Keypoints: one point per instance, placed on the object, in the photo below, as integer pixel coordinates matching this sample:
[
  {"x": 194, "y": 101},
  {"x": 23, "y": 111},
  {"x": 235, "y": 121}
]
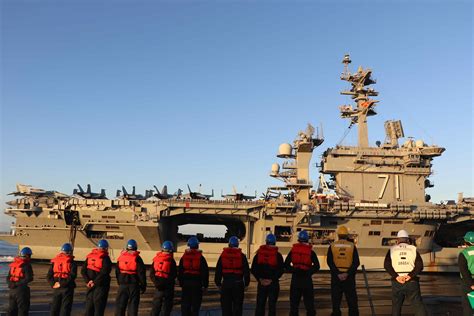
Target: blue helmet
[
  {"x": 233, "y": 242},
  {"x": 193, "y": 243},
  {"x": 26, "y": 252},
  {"x": 303, "y": 236},
  {"x": 270, "y": 240},
  {"x": 103, "y": 244},
  {"x": 167, "y": 246},
  {"x": 67, "y": 248},
  {"x": 132, "y": 245}
]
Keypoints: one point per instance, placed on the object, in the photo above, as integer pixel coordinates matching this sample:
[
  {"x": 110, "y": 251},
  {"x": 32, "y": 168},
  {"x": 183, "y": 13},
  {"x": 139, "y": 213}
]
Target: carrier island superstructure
[{"x": 372, "y": 190}]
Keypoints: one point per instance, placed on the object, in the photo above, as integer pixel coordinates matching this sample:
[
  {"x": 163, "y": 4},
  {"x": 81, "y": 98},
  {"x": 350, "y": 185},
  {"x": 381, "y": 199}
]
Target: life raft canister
[
  {"x": 95, "y": 259},
  {"x": 192, "y": 261},
  {"x": 62, "y": 265},
  {"x": 127, "y": 262},
  {"x": 342, "y": 253},
  {"x": 403, "y": 258},
  {"x": 162, "y": 264},
  {"x": 16, "y": 269},
  {"x": 267, "y": 255},
  {"x": 231, "y": 259},
  {"x": 301, "y": 256}
]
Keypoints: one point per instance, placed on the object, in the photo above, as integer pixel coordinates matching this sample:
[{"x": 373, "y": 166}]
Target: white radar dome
[
  {"x": 420, "y": 143},
  {"x": 275, "y": 168},
  {"x": 285, "y": 150}
]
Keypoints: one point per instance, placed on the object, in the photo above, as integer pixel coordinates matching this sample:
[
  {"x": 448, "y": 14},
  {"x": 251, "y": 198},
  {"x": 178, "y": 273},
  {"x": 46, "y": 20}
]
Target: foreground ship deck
[{"x": 440, "y": 292}]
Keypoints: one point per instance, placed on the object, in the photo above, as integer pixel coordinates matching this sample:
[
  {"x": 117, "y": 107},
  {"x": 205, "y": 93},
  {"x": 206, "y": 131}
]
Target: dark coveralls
[
  {"x": 164, "y": 290},
  {"x": 302, "y": 285},
  {"x": 96, "y": 297},
  {"x": 270, "y": 292},
  {"x": 347, "y": 287},
  {"x": 466, "y": 282},
  {"x": 130, "y": 287},
  {"x": 232, "y": 287},
  {"x": 409, "y": 290},
  {"x": 192, "y": 287},
  {"x": 19, "y": 293},
  {"x": 63, "y": 296}
]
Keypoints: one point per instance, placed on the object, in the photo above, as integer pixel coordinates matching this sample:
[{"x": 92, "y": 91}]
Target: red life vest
[
  {"x": 162, "y": 264},
  {"x": 62, "y": 265},
  {"x": 301, "y": 256},
  {"x": 267, "y": 255},
  {"x": 231, "y": 259},
  {"x": 95, "y": 258},
  {"x": 16, "y": 269},
  {"x": 127, "y": 262},
  {"x": 192, "y": 261}
]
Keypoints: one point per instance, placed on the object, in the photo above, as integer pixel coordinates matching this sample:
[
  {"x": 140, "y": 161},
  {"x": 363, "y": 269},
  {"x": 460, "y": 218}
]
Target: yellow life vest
[{"x": 342, "y": 254}]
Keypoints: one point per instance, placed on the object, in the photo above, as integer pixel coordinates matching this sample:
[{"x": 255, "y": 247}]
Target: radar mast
[{"x": 361, "y": 94}]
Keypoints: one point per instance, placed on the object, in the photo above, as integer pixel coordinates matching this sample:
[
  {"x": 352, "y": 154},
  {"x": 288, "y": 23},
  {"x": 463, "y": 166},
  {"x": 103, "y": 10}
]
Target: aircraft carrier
[{"x": 373, "y": 190}]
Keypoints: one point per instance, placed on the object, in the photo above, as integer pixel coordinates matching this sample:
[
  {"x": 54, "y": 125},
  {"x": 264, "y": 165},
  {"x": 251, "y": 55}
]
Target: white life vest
[{"x": 403, "y": 258}]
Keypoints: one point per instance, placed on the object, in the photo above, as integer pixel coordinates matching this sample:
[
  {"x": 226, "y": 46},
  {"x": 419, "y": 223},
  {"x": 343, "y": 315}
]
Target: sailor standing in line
[
  {"x": 302, "y": 263},
  {"x": 232, "y": 278},
  {"x": 131, "y": 278},
  {"x": 466, "y": 268},
  {"x": 343, "y": 260},
  {"x": 193, "y": 277},
  {"x": 163, "y": 272},
  {"x": 404, "y": 263},
  {"x": 96, "y": 273},
  {"x": 267, "y": 268},
  {"x": 61, "y": 276},
  {"x": 18, "y": 277}
]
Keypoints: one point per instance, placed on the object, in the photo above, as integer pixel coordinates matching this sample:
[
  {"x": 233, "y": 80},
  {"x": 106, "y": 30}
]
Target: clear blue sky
[{"x": 145, "y": 92}]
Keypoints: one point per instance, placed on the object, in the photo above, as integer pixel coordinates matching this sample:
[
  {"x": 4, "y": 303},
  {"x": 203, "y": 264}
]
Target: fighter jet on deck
[{"x": 89, "y": 194}]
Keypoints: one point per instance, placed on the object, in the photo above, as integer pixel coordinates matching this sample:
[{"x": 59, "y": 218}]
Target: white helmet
[{"x": 403, "y": 234}]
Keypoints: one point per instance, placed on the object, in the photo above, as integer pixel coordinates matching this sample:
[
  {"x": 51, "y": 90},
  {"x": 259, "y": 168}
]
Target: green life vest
[{"x": 469, "y": 255}]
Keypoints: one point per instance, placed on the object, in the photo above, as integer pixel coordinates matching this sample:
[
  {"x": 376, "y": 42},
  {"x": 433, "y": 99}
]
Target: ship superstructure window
[
  {"x": 429, "y": 233},
  {"x": 86, "y": 216},
  {"x": 112, "y": 227},
  {"x": 108, "y": 216},
  {"x": 374, "y": 233},
  {"x": 375, "y": 222},
  {"x": 393, "y": 233},
  {"x": 322, "y": 237},
  {"x": 283, "y": 233}
]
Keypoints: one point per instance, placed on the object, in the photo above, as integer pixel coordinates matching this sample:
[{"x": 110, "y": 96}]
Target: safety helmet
[
  {"x": 66, "y": 248},
  {"x": 342, "y": 230},
  {"x": 167, "y": 246},
  {"x": 103, "y": 244},
  {"x": 233, "y": 242},
  {"x": 26, "y": 252},
  {"x": 270, "y": 240},
  {"x": 193, "y": 243},
  {"x": 303, "y": 236},
  {"x": 402, "y": 234},
  {"x": 469, "y": 237},
  {"x": 132, "y": 245}
]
